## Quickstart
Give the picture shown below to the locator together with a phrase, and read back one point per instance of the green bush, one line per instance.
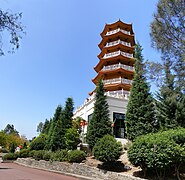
(23, 153)
(4, 150)
(61, 155)
(159, 152)
(76, 156)
(31, 153)
(107, 149)
(9, 156)
(47, 155)
(38, 143)
(38, 155)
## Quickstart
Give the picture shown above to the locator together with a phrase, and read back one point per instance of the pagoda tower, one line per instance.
(116, 69)
(116, 59)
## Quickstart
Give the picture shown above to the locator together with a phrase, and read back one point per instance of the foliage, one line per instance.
(76, 156)
(3, 139)
(46, 126)
(38, 155)
(140, 115)
(40, 127)
(23, 153)
(170, 101)
(61, 155)
(167, 33)
(4, 150)
(76, 123)
(54, 140)
(159, 152)
(39, 142)
(9, 156)
(62, 120)
(107, 149)
(47, 155)
(100, 123)
(11, 23)
(68, 113)
(9, 129)
(72, 139)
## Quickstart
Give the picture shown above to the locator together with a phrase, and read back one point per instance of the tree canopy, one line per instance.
(140, 115)
(167, 35)
(10, 23)
(100, 124)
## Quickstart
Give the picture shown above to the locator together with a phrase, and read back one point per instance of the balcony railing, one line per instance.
(117, 80)
(117, 53)
(109, 44)
(117, 66)
(117, 30)
(122, 94)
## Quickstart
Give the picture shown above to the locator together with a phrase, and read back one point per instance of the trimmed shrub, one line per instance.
(76, 156)
(159, 152)
(38, 155)
(23, 153)
(61, 155)
(47, 155)
(38, 143)
(31, 153)
(107, 149)
(4, 150)
(9, 156)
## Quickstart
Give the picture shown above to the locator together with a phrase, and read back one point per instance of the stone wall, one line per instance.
(75, 169)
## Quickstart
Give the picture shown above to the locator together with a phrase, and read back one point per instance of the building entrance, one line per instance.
(119, 125)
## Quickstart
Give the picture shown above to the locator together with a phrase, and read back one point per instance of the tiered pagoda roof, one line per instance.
(116, 59)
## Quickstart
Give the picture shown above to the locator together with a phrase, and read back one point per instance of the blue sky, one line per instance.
(58, 53)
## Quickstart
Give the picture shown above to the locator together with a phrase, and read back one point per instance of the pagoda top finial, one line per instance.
(115, 25)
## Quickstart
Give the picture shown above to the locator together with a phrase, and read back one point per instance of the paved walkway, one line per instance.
(12, 171)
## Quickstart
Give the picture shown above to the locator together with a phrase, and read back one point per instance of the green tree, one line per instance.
(9, 129)
(40, 127)
(170, 100)
(140, 114)
(39, 142)
(100, 123)
(72, 139)
(51, 143)
(166, 102)
(68, 113)
(167, 34)
(46, 126)
(11, 24)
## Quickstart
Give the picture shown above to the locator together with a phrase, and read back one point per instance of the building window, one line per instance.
(89, 117)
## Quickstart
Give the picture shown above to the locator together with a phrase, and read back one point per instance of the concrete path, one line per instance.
(12, 171)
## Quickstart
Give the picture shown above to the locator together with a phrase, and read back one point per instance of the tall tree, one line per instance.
(9, 129)
(140, 115)
(170, 100)
(51, 143)
(166, 102)
(11, 24)
(68, 113)
(40, 127)
(46, 126)
(168, 32)
(100, 123)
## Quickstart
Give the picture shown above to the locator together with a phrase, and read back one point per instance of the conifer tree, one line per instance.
(140, 114)
(166, 102)
(100, 124)
(51, 141)
(170, 100)
(68, 113)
